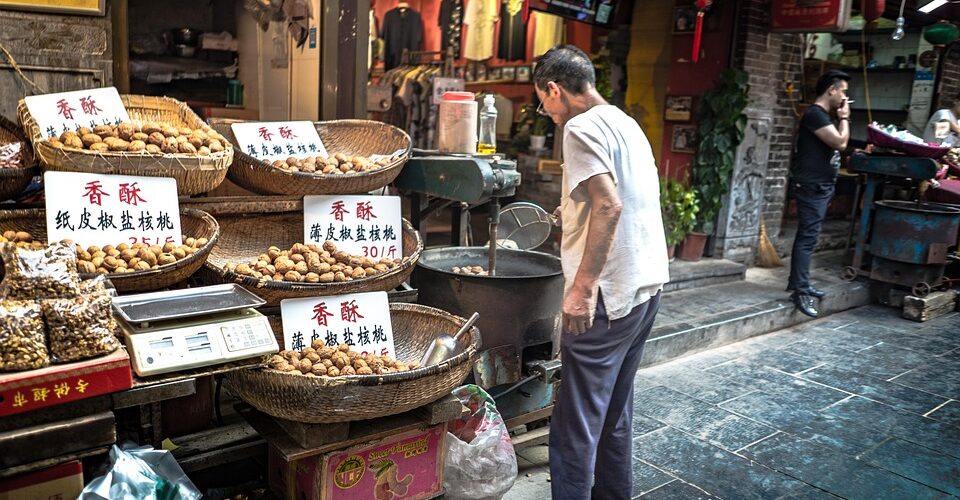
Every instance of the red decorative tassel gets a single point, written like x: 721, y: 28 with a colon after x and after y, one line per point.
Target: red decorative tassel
x: 697, y: 32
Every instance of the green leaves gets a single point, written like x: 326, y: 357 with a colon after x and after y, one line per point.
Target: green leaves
x: 679, y: 207
x: 720, y: 129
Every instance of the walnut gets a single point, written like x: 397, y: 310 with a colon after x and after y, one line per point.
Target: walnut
x: 293, y: 276
x: 319, y: 369
x: 187, y: 148
x: 156, y: 138
x: 170, y: 145
x: 105, y: 130
x: 136, y: 146
x: 126, y: 130
x: 169, y: 131
x: 364, y: 371
x: 348, y: 370
x: 153, y: 149
x: 333, y: 371
x: 305, y: 365
x: 90, y: 139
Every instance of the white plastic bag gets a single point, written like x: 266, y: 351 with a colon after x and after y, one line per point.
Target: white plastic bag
x: 480, y: 461
x: 141, y: 473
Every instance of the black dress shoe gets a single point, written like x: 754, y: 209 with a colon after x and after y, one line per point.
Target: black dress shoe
x: 815, y: 292
x: 805, y: 304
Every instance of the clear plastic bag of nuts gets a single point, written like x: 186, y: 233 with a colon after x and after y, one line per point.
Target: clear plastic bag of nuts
x: 39, y: 274
x: 11, y: 155
x: 81, y: 327
x: 22, y: 342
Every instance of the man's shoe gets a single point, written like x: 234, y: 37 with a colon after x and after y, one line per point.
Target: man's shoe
x: 815, y: 292
x: 805, y: 304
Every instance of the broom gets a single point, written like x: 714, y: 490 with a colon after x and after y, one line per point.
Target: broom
x: 767, y: 255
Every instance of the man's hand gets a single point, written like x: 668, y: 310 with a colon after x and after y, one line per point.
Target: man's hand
x: 578, y: 308
x: 557, y: 219
x: 843, y: 112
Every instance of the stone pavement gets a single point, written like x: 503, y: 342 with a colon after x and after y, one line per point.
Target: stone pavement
x: 860, y: 404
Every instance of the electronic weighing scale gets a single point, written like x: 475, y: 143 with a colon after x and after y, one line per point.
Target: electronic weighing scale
x: 182, y: 329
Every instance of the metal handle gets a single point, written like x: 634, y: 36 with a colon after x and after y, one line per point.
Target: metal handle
x: 466, y: 326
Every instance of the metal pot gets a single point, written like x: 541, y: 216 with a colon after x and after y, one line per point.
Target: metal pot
x: 519, y: 307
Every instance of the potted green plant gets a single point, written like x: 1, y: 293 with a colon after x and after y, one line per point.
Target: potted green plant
x: 679, y: 207
x: 538, y: 132
x: 720, y: 129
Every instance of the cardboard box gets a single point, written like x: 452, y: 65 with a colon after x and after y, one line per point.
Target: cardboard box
x: 55, y: 384
x: 408, y: 465
x: 61, y: 482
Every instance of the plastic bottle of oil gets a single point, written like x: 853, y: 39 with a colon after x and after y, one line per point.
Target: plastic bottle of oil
x: 487, y: 143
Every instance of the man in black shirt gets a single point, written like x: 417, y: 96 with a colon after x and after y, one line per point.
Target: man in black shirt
x: 815, y: 164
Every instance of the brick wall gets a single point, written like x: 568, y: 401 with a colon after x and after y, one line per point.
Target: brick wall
x: 949, y: 77
x: 771, y: 59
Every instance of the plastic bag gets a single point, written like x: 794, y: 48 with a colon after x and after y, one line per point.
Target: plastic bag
x: 480, y: 461
x: 11, y: 155
x: 39, y: 274
x: 22, y: 344
x: 82, y: 327
x: 143, y: 474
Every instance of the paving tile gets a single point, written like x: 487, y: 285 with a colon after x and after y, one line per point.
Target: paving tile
x: 677, y: 490
x: 775, y: 382
x: 896, y: 395
x: 534, y: 487
x: 918, y: 463
x: 538, y: 455
x: 713, y: 469
x: 700, y: 419
x: 934, y: 377
x: 844, y: 339
x: 834, y: 472
x: 647, y: 478
x: 794, y: 417
x: 879, y: 364
x: 643, y: 424
x: 902, y: 424
x: 780, y: 360
x: 948, y: 413
x: 695, y: 383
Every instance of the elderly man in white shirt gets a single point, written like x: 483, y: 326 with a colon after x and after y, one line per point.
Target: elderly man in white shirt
x: 614, y: 258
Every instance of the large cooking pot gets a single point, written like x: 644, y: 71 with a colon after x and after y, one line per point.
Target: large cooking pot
x: 519, y: 307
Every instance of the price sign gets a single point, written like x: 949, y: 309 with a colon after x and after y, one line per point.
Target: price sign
x: 441, y: 85
x: 360, y: 320
x: 367, y: 226
x: 271, y: 141
x: 68, y: 111
x: 98, y: 209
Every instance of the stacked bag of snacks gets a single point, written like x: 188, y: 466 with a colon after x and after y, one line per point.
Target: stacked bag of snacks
x: 49, y: 314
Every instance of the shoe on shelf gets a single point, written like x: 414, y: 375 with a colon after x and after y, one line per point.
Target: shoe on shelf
x: 805, y: 304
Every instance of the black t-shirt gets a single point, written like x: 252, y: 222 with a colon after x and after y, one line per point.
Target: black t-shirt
x: 814, y: 161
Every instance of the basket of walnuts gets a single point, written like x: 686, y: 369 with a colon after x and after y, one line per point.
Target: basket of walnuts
x: 324, y: 384
x: 164, y: 139
x: 130, y: 267
x: 17, y: 163
x: 264, y: 253
x: 365, y: 155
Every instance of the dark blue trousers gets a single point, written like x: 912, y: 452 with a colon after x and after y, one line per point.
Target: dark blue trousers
x: 591, y: 432
x: 812, y: 201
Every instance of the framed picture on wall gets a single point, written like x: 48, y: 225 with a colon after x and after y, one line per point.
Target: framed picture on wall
x: 683, y: 139
x: 684, y: 19
x: 678, y: 108
x: 481, y: 72
x: 523, y: 73
x: 509, y: 73
x: 85, y: 7
x: 495, y: 74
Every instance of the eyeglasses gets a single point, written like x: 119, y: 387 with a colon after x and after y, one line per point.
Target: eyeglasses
x: 540, y: 110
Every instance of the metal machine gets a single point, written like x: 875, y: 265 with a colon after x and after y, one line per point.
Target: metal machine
x: 519, y: 301
x: 907, y: 241
x: 181, y: 329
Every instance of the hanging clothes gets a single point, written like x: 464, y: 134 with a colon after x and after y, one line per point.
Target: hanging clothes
x: 513, y: 30
x: 374, y: 32
x: 413, y: 109
x: 402, y: 29
x: 548, y: 32
x: 450, y: 21
x: 481, y: 17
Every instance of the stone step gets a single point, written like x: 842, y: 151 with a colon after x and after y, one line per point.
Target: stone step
x: 685, y: 275
x: 696, y: 319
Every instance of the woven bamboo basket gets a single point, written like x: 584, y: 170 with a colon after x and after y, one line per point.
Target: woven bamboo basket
x: 244, y: 238
x: 359, y: 397
x: 195, y: 223
x: 14, y: 180
x: 195, y: 174
x: 350, y: 137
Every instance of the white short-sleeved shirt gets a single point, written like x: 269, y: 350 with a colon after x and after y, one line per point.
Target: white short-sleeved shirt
x: 605, y: 140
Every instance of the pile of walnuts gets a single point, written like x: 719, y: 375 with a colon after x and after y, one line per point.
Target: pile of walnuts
x: 321, y: 360
x: 148, y: 137
x: 333, y: 165
x: 312, y: 264
x: 122, y: 258
x: 471, y: 270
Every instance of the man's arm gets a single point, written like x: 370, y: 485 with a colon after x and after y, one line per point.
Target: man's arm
x: 835, y: 136
x: 605, y: 209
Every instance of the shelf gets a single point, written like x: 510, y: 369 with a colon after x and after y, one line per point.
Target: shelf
x: 864, y: 110
x: 880, y: 70
x: 498, y: 82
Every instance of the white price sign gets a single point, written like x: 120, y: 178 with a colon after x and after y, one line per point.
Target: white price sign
x: 367, y: 226
x: 441, y: 85
x: 68, y: 111
x: 98, y: 209
x: 278, y: 140
x: 360, y: 320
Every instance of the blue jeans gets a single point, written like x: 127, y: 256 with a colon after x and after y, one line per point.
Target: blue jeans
x: 812, y: 201
x: 591, y: 431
